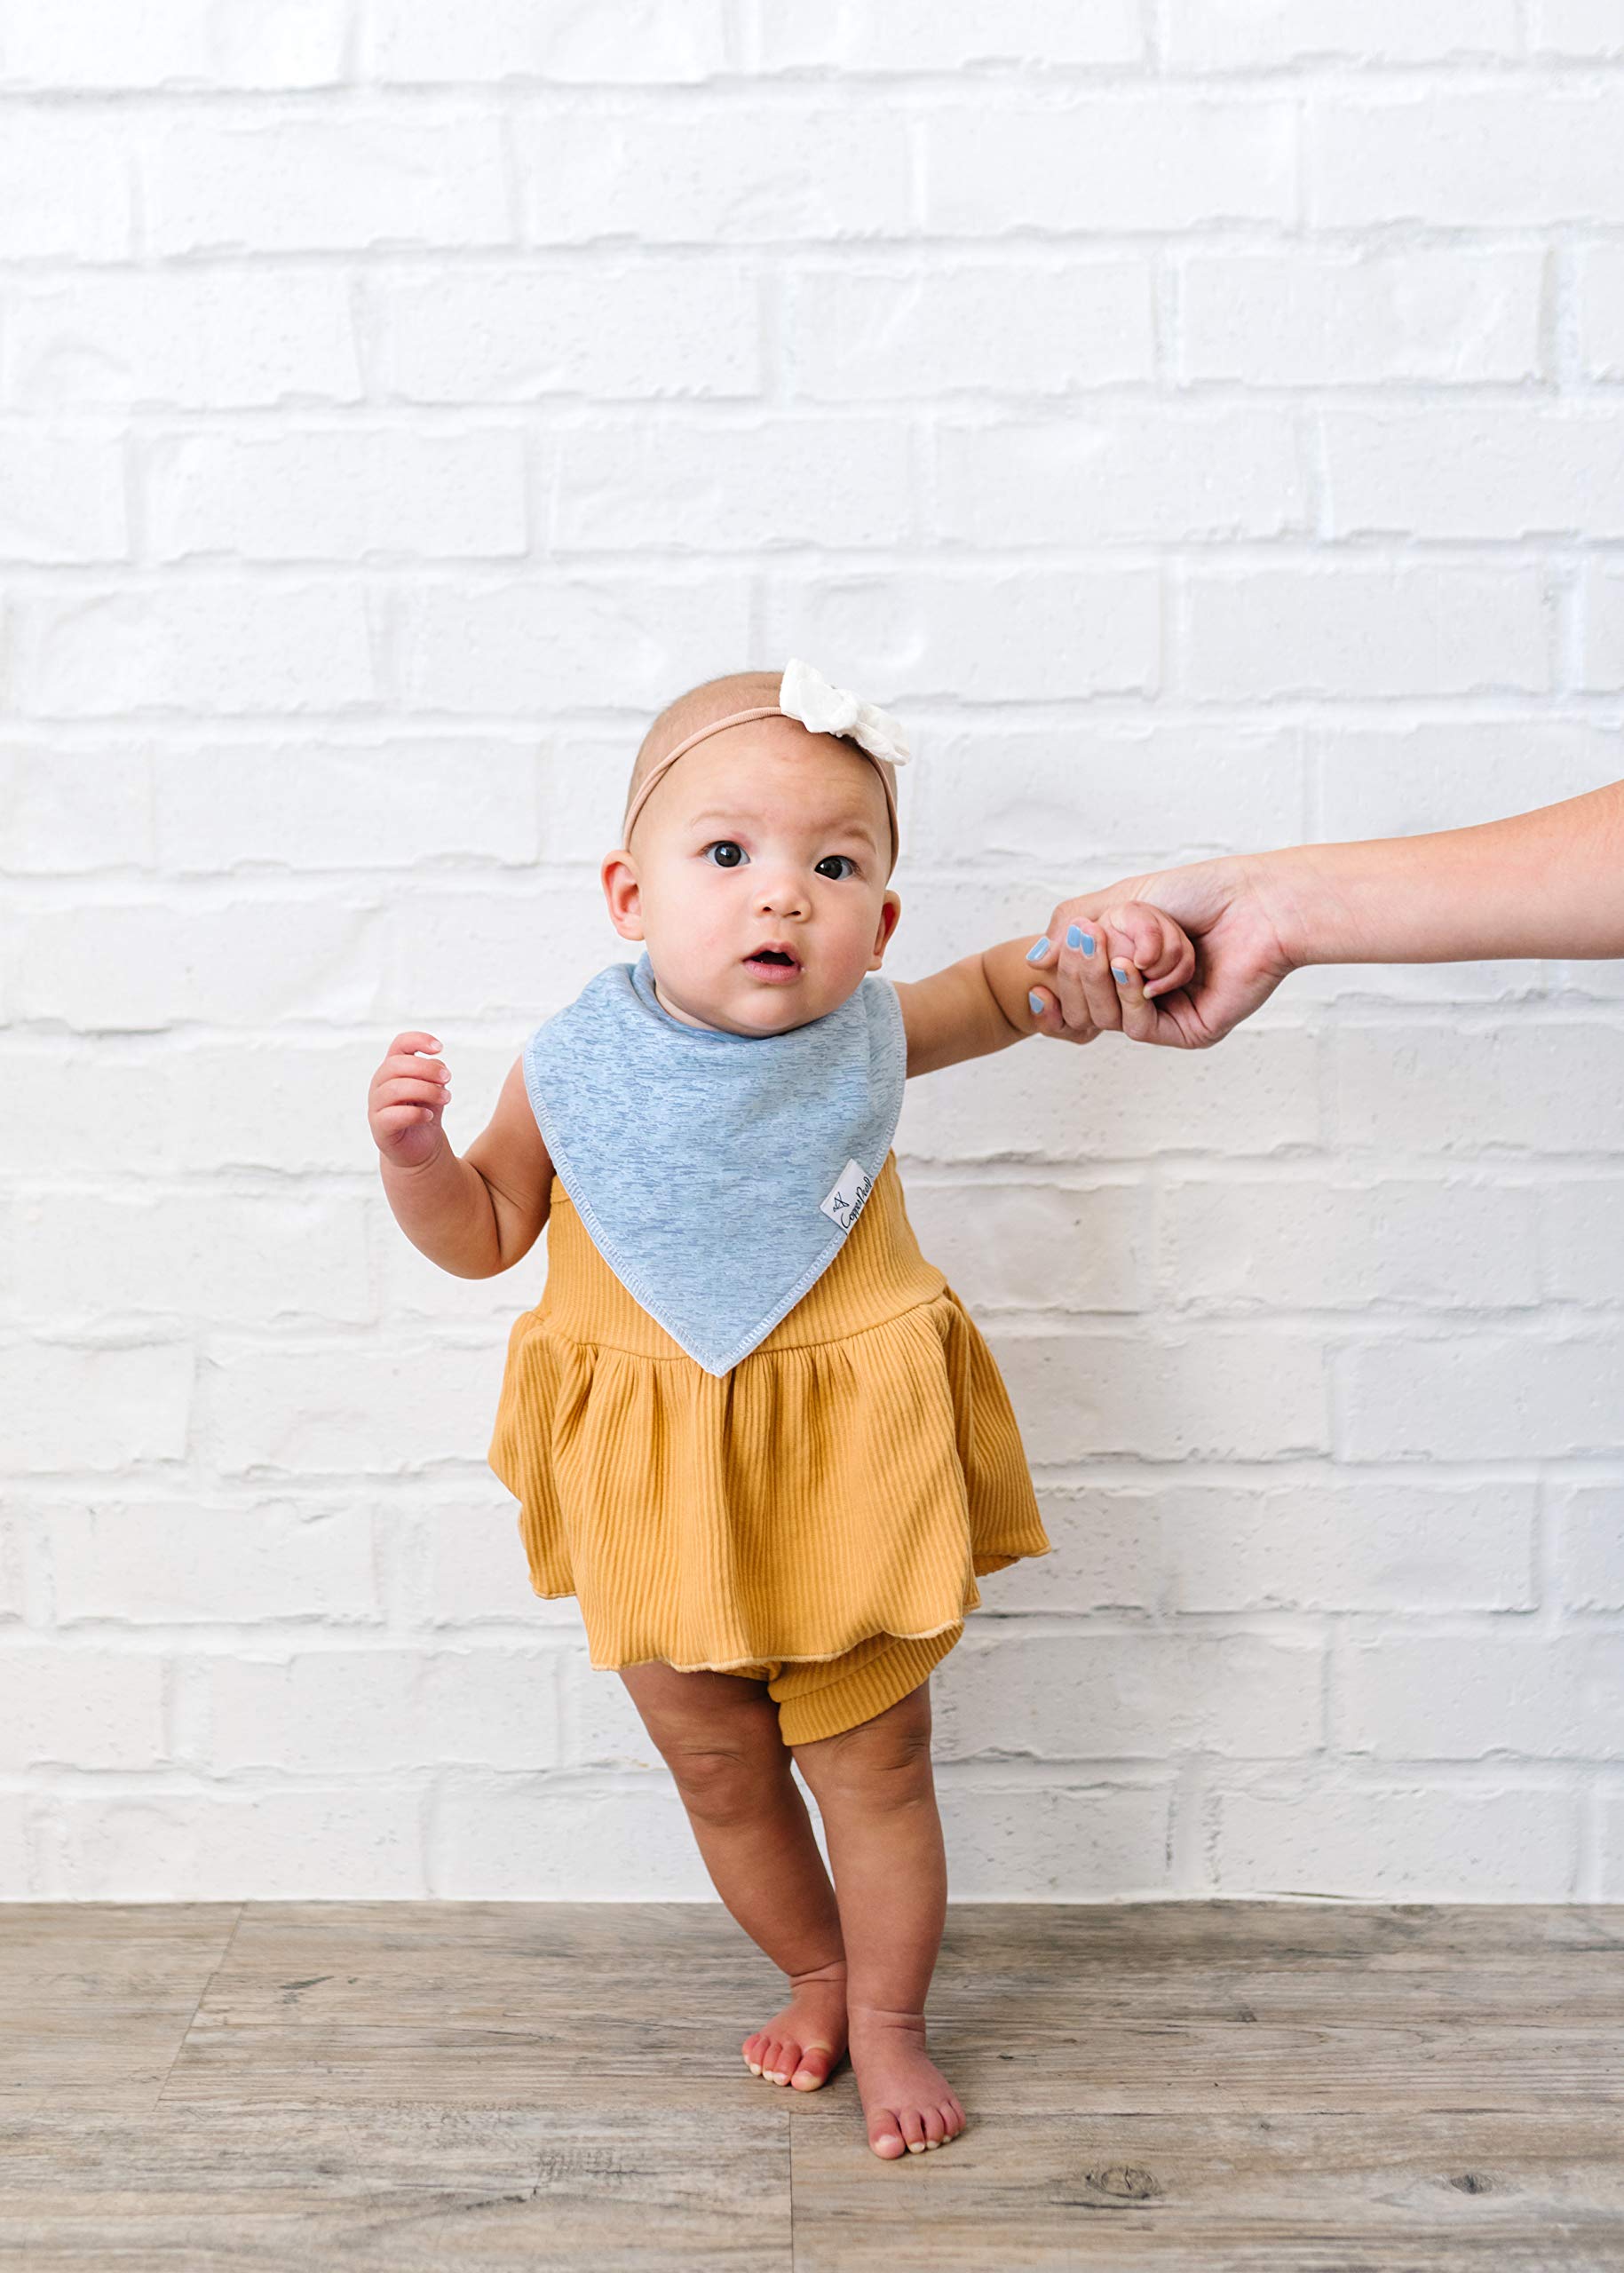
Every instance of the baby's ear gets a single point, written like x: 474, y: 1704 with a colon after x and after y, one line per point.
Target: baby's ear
x: 891, y: 916
x: 622, y: 893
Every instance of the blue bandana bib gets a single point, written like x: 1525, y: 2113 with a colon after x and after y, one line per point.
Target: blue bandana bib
x: 716, y: 1173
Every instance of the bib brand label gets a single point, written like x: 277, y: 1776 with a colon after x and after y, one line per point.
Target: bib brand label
x: 844, y: 1203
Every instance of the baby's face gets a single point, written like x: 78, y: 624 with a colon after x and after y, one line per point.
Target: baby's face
x: 757, y: 879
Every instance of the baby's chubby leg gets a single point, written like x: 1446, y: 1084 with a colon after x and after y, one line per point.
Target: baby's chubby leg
x: 719, y: 1733
x: 877, y: 1797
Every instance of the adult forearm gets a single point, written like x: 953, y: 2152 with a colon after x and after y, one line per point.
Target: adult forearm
x: 445, y: 1209
x: 1548, y: 883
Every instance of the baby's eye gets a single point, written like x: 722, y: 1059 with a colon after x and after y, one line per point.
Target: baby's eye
x: 833, y: 861
x: 725, y: 854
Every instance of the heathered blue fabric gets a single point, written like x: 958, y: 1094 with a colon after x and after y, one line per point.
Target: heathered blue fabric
x: 700, y: 1161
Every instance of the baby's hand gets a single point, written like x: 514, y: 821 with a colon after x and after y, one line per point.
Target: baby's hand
x: 1129, y: 954
x: 1152, y: 944
x: 404, y: 1102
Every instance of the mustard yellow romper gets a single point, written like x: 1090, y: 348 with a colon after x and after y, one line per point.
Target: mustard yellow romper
x: 816, y: 1518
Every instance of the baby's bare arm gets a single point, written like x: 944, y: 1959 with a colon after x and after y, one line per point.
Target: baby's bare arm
x: 481, y: 1214
x: 991, y: 999
x: 444, y: 1207
x: 968, y: 1010
x: 513, y: 1159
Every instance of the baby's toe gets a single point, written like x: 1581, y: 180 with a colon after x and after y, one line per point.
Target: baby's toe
x: 935, y: 2129
x: 780, y: 2063
x: 885, y: 2134
x: 914, y: 2130
x: 749, y: 2051
x: 814, y: 2068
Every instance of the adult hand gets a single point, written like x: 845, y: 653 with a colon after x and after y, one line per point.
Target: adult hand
x: 1233, y: 910
x: 1548, y: 883
x: 1141, y: 946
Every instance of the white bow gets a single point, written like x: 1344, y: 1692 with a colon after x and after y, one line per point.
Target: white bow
x: 807, y: 695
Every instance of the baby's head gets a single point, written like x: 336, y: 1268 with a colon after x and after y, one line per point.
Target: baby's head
x: 754, y: 868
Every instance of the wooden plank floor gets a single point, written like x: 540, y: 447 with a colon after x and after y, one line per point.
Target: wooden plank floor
x: 1195, y: 2085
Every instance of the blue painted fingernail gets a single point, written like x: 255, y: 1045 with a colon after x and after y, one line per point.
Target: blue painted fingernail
x: 1088, y: 943
x: 1074, y: 936
x: 1036, y: 1001
x: 1041, y: 948
x: 1119, y: 973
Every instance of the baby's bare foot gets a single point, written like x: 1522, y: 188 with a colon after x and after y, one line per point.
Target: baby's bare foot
x: 802, y: 2044
x: 908, y: 2104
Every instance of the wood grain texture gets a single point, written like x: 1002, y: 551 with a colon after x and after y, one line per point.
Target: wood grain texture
x: 1204, y: 2086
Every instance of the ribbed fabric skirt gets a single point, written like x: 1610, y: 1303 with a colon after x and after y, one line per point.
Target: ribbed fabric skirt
x: 850, y: 1479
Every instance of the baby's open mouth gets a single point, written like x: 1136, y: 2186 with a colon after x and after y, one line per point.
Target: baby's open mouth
x: 777, y: 959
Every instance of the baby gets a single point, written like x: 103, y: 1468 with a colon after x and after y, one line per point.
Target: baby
x: 750, y: 1428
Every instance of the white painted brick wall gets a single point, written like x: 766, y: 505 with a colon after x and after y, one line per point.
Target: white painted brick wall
x: 1601, y: 599
x: 1360, y: 314
x: 1203, y: 418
